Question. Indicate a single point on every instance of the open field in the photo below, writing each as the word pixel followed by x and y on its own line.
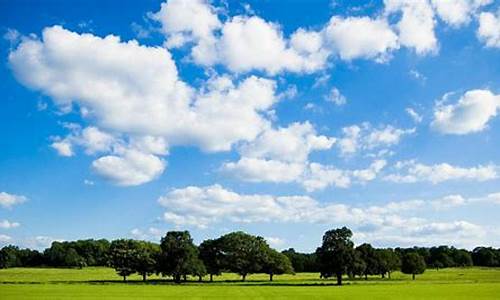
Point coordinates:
pixel 102 283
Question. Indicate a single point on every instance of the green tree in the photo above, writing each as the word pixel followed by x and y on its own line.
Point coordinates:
pixel 276 263
pixel 243 253
pixel 212 257
pixel 178 255
pixel 388 261
pixel 369 256
pixel 123 257
pixel 413 263
pixel 336 254
pixel 145 257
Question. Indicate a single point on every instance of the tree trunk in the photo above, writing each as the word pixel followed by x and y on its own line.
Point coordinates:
pixel 243 277
pixel 389 275
pixel 124 278
pixel 185 277
pixel 366 276
pixel 383 275
pixel 211 277
pixel 339 279
pixel 413 275
pixel 177 278
pixel 144 277
pixel 271 277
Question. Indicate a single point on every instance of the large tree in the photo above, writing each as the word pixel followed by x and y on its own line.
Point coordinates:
pixel 212 256
pixel 145 258
pixel 243 253
pixel 336 254
pixel 276 263
pixel 388 261
pixel 369 256
pixel 122 255
pixel 178 255
pixel 413 263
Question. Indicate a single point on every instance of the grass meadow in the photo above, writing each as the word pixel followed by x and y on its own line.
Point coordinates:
pixel 103 283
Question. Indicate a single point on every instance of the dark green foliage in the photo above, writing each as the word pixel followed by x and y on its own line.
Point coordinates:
pixel 368 255
pixel 302 262
pixel 413 263
pixel 123 257
pixel 276 263
pixel 486 257
pixel 243 253
pixel 145 258
pixel 178 255
pixel 336 254
pixel 388 261
pixel 212 256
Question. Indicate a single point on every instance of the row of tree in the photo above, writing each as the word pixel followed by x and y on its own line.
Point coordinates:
pixel 177 256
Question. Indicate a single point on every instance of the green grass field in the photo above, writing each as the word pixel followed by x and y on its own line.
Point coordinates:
pixel 102 283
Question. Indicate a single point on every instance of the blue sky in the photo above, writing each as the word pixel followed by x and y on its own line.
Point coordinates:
pixel 283 119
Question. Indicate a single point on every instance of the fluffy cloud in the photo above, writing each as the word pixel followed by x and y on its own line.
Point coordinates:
pixel 470 114
pixel 336 97
pixel 416 24
pixel 263 170
pixel 6 224
pixel 366 137
pixel 489 29
pixel 417 172
pixel 8 200
pixel 458 12
pixel 361 37
pixel 414 115
pixel 142 100
pixel 131 168
pixel 5 238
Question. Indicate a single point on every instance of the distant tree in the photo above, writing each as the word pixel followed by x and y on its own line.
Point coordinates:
pixel 336 253
pixel 243 253
pixel 413 263
pixel 212 257
pixel 9 257
pixel 145 257
pixel 198 269
pixel 462 258
pixel 123 257
pixel 276 263
pixel 178 255
pixel 302 262
pixel 358 265
pixel 388 261
pixel 369 256
pixel 486 257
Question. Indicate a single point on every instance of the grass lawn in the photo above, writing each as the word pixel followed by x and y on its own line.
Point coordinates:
pixel 102 283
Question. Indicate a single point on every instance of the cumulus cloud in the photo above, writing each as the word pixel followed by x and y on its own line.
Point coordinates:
pixel 412 171
pixel 336 97
pixel 141 100
pixel 131 168
pixel 366 137
pixel 458 12
pixel 5 238
pixel 416 24
pixel 489 29
pixel 6 224
pixel 361 37
pixel 469 114
pixel 9 200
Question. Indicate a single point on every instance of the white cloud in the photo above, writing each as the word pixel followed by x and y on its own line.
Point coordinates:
pixel 6 224
pixel 131 168
pixel 141 101
pixel 39 242
pixel 414 115
pixel 8 200
pixel 361 37
pixel 293 143
pixel 187 21
pixel 416 24
pixel 417 172
pixel 336 97
pixel 366 137
pixel 470 114
pixel 458 12
pixel 275 242
pixel 264 170
pixel 449 202
pixel 489 29
pixel 5 238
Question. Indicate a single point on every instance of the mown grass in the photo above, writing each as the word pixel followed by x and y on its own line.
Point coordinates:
pixel 103 283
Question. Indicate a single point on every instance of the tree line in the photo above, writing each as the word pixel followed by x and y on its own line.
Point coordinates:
pixel 178 257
